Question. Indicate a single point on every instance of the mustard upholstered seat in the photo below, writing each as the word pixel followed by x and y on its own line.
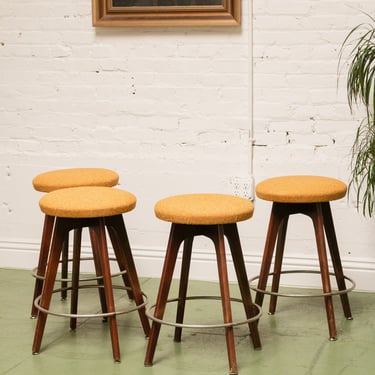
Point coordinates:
pixel 301 189
pixel 84 202
pixel 74 177
pixel 214 216
pixel 60 179
pixel 97 208
pixel 307 195
pixel 204 209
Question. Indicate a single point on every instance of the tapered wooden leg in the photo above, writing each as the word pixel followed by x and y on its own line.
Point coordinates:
pixel 231 233
pixel 50 277
pixel 75 276
pixel 99 232
pixel 335 256
pixel 43 257
pixel 317 218
pixel 96 251
pixel 121 247
pixel 273 229
pixel 225 298
pixel 116 224
pixel 184 278
pixel 64 268
pixel 280 246
pixel 175 238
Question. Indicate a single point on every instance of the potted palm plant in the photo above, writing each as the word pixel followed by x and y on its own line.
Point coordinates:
pixel 361 93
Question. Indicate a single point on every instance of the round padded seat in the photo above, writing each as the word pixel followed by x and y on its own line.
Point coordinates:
pixel 301 189
pixel 204 209
pixel 87 202
pixel 73 177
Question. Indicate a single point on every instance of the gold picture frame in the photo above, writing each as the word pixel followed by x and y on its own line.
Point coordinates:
pixel 123 13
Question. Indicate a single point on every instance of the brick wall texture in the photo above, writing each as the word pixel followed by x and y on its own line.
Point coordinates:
pixel 177 110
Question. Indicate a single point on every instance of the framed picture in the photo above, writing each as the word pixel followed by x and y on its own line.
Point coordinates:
pixel 110 13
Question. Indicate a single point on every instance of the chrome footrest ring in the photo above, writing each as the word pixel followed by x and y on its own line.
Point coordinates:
pixel 88 286
pixel 332 293
pixel 219 325
pixel 34 272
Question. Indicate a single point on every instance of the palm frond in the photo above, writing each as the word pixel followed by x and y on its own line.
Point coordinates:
pixel 361 93
pixel 362 178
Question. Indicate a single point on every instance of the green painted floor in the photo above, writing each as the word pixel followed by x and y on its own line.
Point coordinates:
pixel 295 339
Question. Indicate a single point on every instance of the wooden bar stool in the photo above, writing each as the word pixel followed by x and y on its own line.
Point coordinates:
pixel 307 195
pixel 97 208
pixel 60 179
pixel 214 216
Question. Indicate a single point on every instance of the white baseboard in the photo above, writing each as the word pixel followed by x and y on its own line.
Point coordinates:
pixel 149 261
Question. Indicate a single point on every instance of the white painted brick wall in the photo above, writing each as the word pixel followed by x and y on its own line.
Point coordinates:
pixel 168 108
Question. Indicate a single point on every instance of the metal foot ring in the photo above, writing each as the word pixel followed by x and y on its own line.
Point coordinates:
pixel 34 272
pixel 332 293
pixel 220 325
pixel 89 286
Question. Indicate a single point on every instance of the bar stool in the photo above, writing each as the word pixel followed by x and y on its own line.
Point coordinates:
pixel 311 196
pixel 97 208
pixel 60 179
pixel 214 216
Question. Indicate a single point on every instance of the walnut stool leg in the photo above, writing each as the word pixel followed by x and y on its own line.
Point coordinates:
pixel 98 272
pixel 280 246
pixel 64 268
pixel 59 235
pixel 335 256
pixel 115 224
pixel 269 247
pixel 175 238
pixel 75 276
pixel 124 256
pixel 225 298
pixel 231 233
pixel 99 232
pixel 43 258
pixel 184 278
pixel 317 218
